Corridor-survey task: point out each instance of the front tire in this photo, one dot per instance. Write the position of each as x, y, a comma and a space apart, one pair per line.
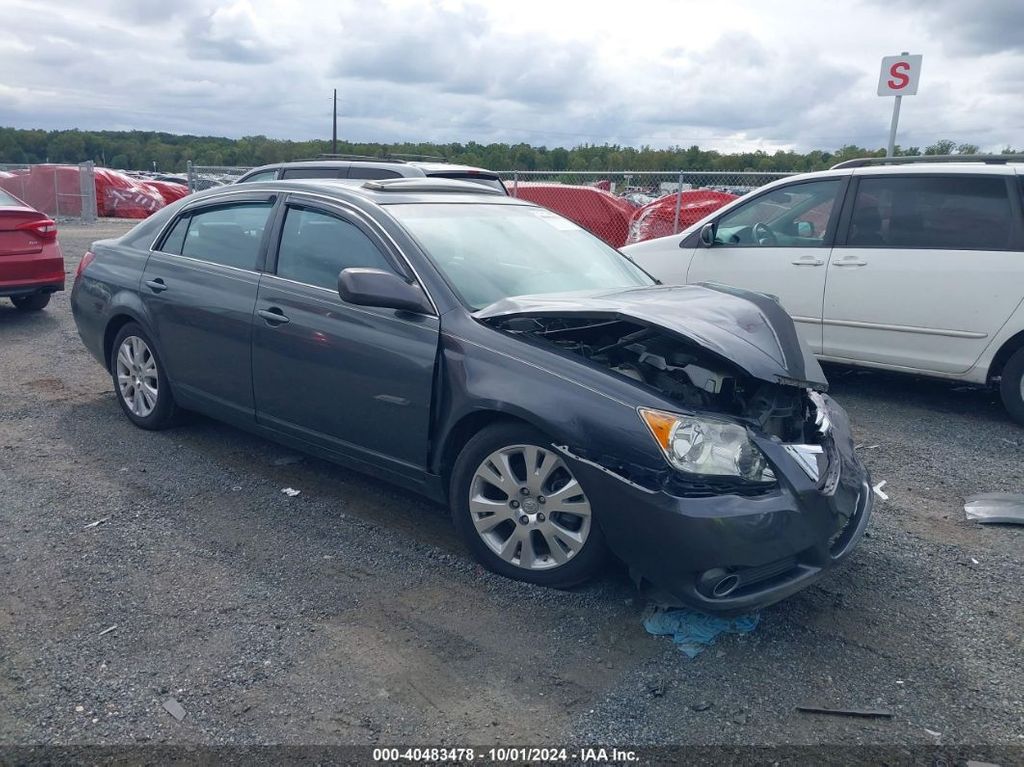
140, 384
33, 303
1011, 386
522, 512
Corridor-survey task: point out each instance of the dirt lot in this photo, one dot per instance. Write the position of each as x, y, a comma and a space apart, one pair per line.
350, 614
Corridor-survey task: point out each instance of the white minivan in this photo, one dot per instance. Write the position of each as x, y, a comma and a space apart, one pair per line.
908, 264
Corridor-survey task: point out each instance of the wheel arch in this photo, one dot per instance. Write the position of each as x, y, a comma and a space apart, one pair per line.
465, 428
120, 318
1007, 350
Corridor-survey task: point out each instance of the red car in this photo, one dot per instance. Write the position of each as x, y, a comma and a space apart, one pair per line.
31, 262
599, 212
658, 218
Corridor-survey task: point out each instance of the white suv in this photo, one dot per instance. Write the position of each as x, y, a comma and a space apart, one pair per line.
907, 264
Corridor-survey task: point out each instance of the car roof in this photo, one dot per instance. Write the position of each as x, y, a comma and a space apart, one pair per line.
392, 191
445, 167
919, 168
946, 168
425, 167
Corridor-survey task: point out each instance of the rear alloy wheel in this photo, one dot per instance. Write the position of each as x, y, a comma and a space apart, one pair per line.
521, 510
33, 303
1011, 386
139, 380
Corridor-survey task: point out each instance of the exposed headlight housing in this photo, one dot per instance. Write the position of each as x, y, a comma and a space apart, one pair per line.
707, 446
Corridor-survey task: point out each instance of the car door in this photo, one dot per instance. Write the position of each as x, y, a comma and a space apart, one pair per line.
777, 243
199, 288
928, 271
357, 380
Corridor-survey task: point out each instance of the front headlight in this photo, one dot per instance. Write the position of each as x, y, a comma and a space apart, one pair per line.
707, 446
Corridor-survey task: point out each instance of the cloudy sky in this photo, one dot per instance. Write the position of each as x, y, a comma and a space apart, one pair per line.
729, 75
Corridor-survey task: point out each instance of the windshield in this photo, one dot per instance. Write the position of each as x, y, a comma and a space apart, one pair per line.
491, 252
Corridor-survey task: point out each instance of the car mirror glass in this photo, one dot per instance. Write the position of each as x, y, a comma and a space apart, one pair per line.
707, 235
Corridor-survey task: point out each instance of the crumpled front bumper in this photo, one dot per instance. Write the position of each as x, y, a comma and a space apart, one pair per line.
775, 543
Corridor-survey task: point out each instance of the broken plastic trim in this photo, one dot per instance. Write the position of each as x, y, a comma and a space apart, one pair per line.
805, 457
564, 450
821, 419
996, 508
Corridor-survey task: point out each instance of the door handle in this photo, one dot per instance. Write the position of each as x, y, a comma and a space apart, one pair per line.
156, 285
273, 316
849, 261
808, 261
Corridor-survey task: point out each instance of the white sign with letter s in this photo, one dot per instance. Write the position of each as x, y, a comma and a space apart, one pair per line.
900, 75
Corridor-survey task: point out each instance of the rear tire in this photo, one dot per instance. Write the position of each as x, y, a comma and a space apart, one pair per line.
140, 384
560, 544
33, 303
1011, 386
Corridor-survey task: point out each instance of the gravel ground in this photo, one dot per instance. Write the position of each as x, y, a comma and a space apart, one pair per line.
350, 614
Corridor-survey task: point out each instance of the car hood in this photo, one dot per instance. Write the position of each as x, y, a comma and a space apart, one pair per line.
750, 330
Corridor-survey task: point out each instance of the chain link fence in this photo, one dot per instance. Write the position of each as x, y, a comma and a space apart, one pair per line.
59, 191
620, 207
202, 177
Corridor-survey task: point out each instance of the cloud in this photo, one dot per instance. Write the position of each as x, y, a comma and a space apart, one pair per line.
151, 12
460, 52
759, 75
977, 28
230, 34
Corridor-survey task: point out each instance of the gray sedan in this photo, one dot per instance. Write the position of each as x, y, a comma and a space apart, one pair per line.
495, 357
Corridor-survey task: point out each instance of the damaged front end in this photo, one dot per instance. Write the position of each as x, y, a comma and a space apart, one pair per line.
758, 490
720, 397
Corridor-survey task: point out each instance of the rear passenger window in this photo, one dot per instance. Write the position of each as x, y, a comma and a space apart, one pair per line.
265, 175
316, 246
941, 212
229, 236
313, 173
176, 237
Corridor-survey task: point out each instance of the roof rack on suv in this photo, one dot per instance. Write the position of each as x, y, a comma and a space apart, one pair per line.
419, 157
361, 157
988, 159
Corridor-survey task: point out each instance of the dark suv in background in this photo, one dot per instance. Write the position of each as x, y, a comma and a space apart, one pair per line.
371, 168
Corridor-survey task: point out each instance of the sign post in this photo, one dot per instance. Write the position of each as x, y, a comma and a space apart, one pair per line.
899, 77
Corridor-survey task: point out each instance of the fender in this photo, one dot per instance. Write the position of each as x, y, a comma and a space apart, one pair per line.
506, 376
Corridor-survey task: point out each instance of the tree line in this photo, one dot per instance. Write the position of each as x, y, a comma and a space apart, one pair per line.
168, 152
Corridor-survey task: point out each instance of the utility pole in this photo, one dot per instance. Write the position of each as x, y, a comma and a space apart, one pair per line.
334, 132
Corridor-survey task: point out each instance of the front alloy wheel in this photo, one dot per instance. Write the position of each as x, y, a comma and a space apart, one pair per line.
528, 508
522, 511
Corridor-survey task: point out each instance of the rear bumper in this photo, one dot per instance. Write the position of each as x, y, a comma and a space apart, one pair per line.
30, 273
773, 545
18, 290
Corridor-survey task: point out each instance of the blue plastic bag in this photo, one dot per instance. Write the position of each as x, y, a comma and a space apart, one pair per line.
692, 631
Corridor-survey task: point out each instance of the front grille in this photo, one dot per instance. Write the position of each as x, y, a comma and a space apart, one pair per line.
751, 575
686, 487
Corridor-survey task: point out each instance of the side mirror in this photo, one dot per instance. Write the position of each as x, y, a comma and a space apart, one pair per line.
707, 235
386, 290
804, 229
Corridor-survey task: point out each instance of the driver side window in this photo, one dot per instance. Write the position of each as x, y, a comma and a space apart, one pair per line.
316, 246
795, 216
